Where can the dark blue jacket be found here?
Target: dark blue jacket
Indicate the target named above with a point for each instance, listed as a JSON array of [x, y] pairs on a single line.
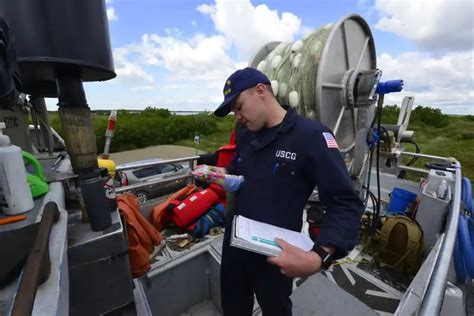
[[282, 166]]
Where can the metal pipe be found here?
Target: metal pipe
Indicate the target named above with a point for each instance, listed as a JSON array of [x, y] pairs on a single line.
[[149, 183], [432, 300], [414, 169], [348, 148], [339, 119], [150, 164], [76, 122], [406, 153], [41, 113], [34, 268], [108, 141]]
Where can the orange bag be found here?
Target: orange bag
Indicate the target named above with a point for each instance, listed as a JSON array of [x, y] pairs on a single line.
[[142, 236], [139, 257], [160, 214]]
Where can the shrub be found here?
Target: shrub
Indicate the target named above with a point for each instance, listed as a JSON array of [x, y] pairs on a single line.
[[390, 114], [467, 135], [150, 127], [156, 111], [469, 118], [430, 116]]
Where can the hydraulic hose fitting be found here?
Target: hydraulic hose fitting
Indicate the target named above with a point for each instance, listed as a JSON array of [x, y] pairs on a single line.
[[389, 86]]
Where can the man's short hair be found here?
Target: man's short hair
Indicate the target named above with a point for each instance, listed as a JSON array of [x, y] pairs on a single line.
[[239, 81]]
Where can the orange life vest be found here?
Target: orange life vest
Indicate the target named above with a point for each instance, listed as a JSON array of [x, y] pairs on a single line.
[[161, 214], [142, 236]]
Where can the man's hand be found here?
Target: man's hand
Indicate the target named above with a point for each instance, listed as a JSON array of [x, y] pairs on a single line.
[[210, 174], [295, 262]]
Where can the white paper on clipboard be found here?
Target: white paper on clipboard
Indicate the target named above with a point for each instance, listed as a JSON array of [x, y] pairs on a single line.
[[260, 237]]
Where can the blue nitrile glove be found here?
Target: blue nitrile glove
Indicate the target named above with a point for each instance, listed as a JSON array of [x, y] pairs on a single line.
[[232, 182]]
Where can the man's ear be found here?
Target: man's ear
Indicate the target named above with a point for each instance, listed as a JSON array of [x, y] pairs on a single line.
[[260, 89]]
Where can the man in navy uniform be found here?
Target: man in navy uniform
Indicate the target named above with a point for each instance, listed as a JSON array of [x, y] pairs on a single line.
[[282, 157]]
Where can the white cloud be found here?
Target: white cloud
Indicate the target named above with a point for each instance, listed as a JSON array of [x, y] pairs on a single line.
[[196, 66], [446, 82], [143, 88], [250, 27], [198, 57], [128, 70], [443, 25], [441, 73], [195, 70], [111, 14]]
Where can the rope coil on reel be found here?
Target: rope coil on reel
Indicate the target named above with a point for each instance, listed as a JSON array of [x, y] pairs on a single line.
[[291, 67], [323, 76]]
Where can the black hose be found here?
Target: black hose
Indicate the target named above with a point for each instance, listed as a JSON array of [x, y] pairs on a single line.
[[385, 131], [375, 203], [371, 155], [414, 159], [377, 210]]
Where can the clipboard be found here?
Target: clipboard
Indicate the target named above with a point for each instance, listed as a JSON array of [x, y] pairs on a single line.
[[259, 237]]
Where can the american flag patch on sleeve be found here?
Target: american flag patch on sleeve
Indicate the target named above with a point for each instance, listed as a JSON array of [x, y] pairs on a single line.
[[330, 140]]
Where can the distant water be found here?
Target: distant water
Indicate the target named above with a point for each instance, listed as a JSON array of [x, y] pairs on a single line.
[[187, 112]]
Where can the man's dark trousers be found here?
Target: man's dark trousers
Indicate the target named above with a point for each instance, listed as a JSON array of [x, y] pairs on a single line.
[[244, 273]]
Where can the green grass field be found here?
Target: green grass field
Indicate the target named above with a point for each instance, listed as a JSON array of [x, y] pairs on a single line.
[[212, 142], [454, 140]]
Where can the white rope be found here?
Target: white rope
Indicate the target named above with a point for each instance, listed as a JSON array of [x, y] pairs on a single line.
[[292, 69]]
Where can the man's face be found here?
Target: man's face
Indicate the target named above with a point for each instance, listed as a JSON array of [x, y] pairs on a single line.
[[249, 109]]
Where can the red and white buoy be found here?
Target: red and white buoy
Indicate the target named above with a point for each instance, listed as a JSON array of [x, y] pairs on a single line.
[[109, 133]]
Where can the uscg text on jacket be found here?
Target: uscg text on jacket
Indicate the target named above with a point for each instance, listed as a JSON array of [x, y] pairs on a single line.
[[285, 154]]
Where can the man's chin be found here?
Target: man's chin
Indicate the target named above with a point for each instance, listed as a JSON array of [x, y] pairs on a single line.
[[251, 128]]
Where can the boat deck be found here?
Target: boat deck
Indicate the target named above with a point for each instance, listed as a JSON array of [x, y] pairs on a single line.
[[367, 289]]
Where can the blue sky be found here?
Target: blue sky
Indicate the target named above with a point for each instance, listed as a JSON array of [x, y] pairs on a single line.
[[177, 54]]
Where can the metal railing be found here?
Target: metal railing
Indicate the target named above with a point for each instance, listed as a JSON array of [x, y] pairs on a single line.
[[433, 299], [129, 166], [164, 181], [420, 170]]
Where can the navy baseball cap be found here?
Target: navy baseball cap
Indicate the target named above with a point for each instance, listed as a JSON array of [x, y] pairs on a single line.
[[237, 82]]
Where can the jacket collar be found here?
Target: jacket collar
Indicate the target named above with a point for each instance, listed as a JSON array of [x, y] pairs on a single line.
[[288, 122]]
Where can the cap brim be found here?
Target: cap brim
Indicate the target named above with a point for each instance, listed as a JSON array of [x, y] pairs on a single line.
[[224, 108]]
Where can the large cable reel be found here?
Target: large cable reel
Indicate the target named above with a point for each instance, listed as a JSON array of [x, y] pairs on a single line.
[[330, 75]]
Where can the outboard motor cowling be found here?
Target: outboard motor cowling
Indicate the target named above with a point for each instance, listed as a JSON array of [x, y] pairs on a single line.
[[54, 36]]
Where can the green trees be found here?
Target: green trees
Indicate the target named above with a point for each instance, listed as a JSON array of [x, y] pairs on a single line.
[[420, 115], [429, 116], [390, 114], [152, 126]]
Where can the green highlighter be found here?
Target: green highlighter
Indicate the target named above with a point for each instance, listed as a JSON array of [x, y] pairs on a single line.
[[37, 182], [265, 241]]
